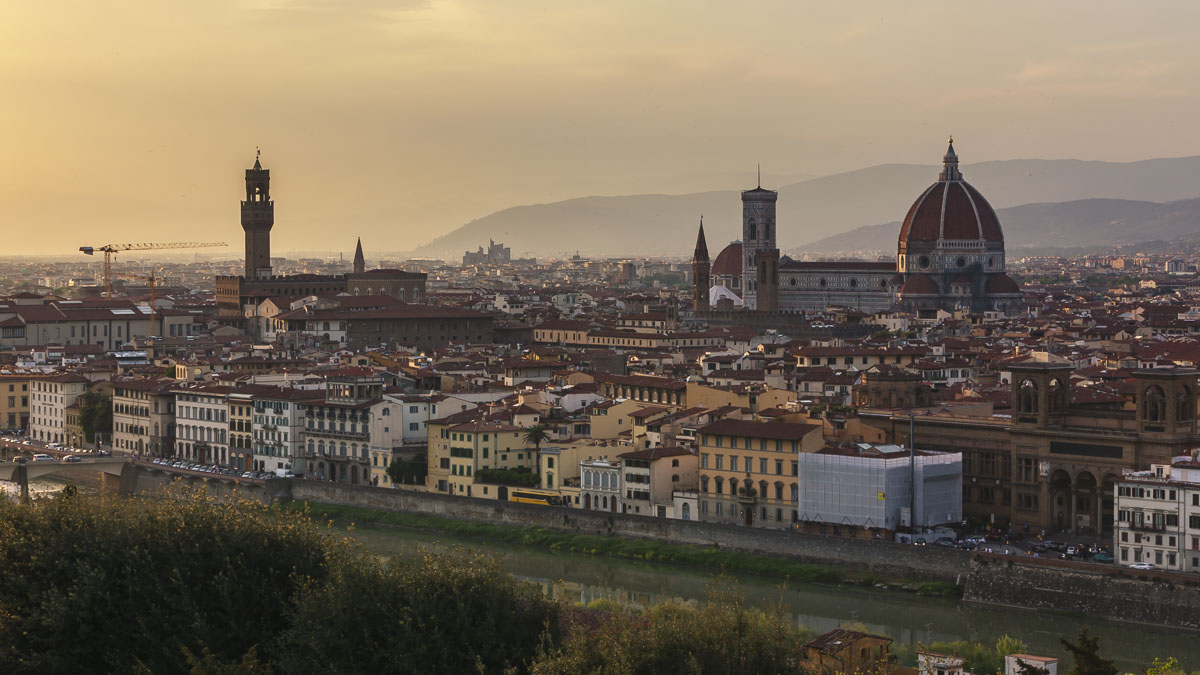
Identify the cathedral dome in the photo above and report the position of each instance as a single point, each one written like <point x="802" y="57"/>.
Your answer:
<point x="1001" y="284"/>
<point x="729" y="261"/>
<point x="950" y="210"/>
<point x="919" y="284"/>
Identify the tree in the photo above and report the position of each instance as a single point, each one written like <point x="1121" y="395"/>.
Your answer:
<point x="1008" y="644"/>
<point x="1085" y="654"/>
<point x="238" y="587"/>
<point x="408" y="470"/>
<point x="535" y="436"/>
<point x="95" y="416"/>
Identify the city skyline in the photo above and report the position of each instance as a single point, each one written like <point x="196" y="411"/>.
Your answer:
<point x="401" y="122"/>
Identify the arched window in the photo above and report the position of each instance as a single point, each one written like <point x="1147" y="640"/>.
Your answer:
<point x="718" y="485"/>
<point x="1056" y="397"/>
<point x="1155" y="406"/>
<point x="1027" y="397"/>
<point x="1185" y="405"/>
<point x="733" y="486"/>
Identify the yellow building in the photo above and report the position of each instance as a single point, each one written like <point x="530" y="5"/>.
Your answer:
<point x="459" y="449"/>
<point x="748" y="470"/>
<point x="611" y="420"/>
<point x="755" y="398"/>
<point x="14" y="401"/>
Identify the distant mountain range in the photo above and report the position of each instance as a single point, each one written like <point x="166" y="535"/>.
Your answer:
<point x="1086" y="223"/>
<point x="1057" y="202"/>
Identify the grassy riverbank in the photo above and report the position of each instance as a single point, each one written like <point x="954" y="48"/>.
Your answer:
<point x="628" y="549"/>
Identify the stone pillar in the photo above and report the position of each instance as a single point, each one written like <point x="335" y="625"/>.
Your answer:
<point x="1073" y="497"/>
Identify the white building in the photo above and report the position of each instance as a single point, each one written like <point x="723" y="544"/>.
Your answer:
<point x="1158" y="516"/>
<point x="873" y="486"/>
<point x="600" y="484"/>
<point x="278" y="425"/>
<point x="202" y="424"/>
<point x="49" y="399"/>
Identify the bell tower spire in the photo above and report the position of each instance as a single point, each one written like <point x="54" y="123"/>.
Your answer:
<point x="360" y="263"/>
<point x="701" y="274"/>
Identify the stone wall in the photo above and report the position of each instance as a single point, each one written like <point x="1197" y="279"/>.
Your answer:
<point x="1109" y="592"/>
<point x="880" y="557"/>
<point x="1105" y="592"/>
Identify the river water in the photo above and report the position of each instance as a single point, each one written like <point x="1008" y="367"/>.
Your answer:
<point x="907" y="618"/>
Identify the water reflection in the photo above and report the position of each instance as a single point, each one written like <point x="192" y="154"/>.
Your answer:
<point x="906" y="618"/>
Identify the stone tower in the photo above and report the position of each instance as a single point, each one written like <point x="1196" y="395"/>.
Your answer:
<point x="360" y="263"/>
<point x="258" y="217"/>
<point x="701" y="274"/>
<point x="758" y="236"/>
<point x="766" y="279"/>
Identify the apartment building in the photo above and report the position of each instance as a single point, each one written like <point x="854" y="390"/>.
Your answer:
<point x="1158" y="516"/>
<point x="144" y="416"/>
<point x="14" y="401"/>
<point x="649" y="479"/>
<point x="748" y="470"/>
<point x="241" y="430"/>
<point x="337" y="429"/>
<point x="278" y="425"/>
<point x="49" y="399"/>
<point x="202" y="424"/>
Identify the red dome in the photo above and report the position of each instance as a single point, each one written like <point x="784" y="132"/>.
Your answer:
<point x="729" y="261"/>
<point x="951" y="210"/>
<point x="1001" y="284"/>
<point x="919" y="284"/>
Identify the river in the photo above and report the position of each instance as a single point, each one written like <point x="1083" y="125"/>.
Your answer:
<point x="907" y="618"/>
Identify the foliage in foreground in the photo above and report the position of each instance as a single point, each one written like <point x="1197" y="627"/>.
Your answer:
<point x="193" y="584"/>
<point x="190" y="584"/>
<point x="722" y="636"/>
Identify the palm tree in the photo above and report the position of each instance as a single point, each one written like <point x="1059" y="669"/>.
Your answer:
<point x="535" y="436"/>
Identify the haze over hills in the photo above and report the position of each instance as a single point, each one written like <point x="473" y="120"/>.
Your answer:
<point x="1074" y="224"/>
<point x="817" y="209"/>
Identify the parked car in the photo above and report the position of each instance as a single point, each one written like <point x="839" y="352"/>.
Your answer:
<point x="1103" y="557"/>
<point x="919" y="541"/>
<point x="1142" y="566"/>
<point x="72" y="459"/>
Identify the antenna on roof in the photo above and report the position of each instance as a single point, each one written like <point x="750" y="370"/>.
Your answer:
<point x="760" y="174"/>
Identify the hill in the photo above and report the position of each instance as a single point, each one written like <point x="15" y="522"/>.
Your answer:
<point x="809" y="211"/>
<point x="1082" y="223"/>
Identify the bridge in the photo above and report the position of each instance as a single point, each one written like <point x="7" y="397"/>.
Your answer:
<point x="131" y="474"/>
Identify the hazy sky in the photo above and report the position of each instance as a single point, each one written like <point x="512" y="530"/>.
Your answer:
<point x="131" y="120"/>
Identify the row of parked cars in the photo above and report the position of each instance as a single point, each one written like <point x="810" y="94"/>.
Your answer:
<point x="208" y="468"/>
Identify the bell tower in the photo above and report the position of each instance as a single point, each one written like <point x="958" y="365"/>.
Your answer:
<point x="701" y="274"/>
<point x="258" y="217"/>
<point x="758" y="238"/>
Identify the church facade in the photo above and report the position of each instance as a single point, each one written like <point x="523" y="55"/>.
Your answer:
<point x="950" y="255"/>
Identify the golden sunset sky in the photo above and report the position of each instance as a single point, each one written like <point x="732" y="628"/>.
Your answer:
<point x="132" y="120"/>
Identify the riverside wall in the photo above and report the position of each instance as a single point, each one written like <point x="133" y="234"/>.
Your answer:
<point x="1115" y="593"/>
<point x="880" y="557"/>
<point x="1101" y="591"/>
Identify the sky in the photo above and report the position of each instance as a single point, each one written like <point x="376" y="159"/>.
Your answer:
<point x="397" y="121"/>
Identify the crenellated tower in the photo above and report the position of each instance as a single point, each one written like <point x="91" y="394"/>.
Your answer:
<point x="258" y="217"/>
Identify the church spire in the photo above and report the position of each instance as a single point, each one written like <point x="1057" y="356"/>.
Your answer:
<point x="360" y="263"/>
<point x="701" y="253"/>
<point x="950" y="164"/>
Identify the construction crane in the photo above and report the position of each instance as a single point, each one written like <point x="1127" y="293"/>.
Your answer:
<point x="111" y="250"/>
